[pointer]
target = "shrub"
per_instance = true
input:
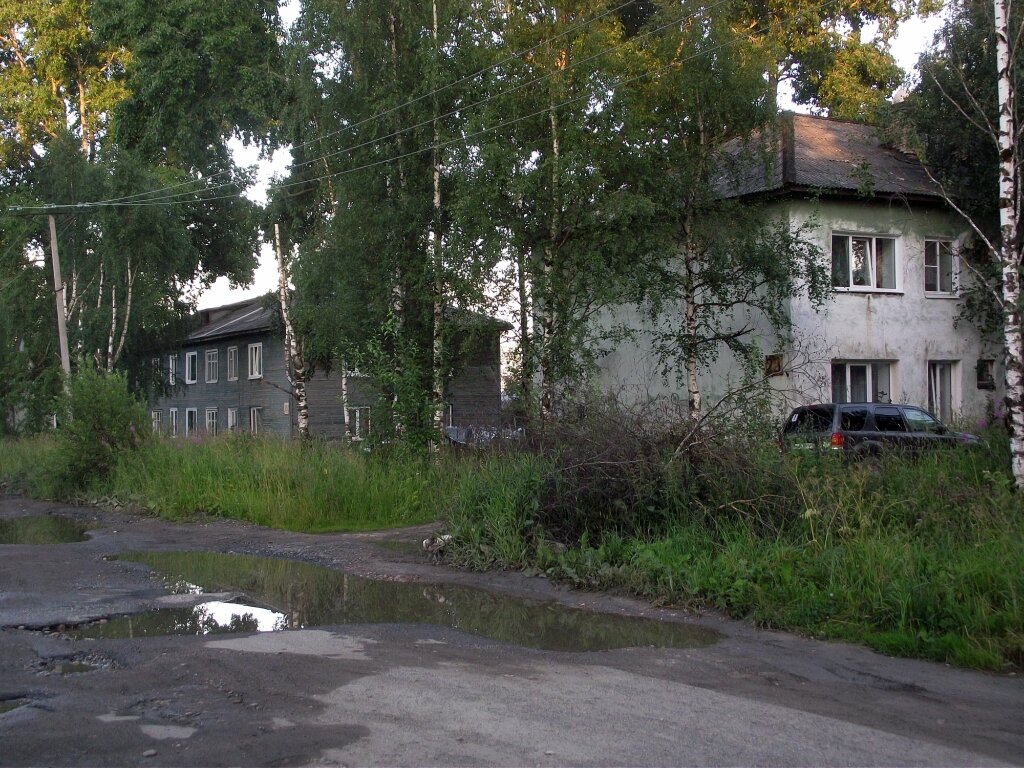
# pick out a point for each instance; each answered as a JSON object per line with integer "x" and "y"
{"x": 102, "y": 421}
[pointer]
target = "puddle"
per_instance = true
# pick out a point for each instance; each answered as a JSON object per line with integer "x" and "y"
{"x": 41, "y": 529}
{"x": 75, "y": 665}
{"x": 11, "y": 704}
{"x": 284, "y": 594}
{"x": 403, "y": 547}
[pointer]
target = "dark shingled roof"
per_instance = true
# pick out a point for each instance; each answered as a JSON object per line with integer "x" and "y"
{"x": 252, "y": 316}
{"x": 826, "y": 156}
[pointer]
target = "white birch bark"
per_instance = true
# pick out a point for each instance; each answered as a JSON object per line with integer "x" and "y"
{"x": 296, "y": 367}
{"x": 435, "y": 247}
{"x": 1009, "y": 247}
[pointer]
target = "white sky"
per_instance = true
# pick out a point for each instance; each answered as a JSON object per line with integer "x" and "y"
{"x": 913, "y": 37}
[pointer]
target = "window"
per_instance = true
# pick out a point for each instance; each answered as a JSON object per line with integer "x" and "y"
{"x": 359, "y": 423}
{"x": 172, "y": 369}
{"x": 919, "y": 421}
{"x": 940, "y": 389}
{"x": 191, "y": 420}
{"x": 232, "y": 419}
{"x": 939, "y": 267}
{"x": 191, "y": 367}
{"x": 861, "y": 382}
{"x": 773, "y": 365}
{"x": 172, "y": 416}
{"x": 889, "y": 419}
{"x": 852, "y": 419}
{"x": 157, "y": 419}
{"x": 232, "y": 363}
{"x": 986, "y": 374}
{"x": 255, "y": 420}
{"x": 211, "y": 421}
{"x": 255, "y": 361}
{"x": 864, "y": 263}
{"x": 212, "y": 366}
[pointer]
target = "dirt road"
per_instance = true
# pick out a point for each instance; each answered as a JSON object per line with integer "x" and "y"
{"x": 422, "y": 694}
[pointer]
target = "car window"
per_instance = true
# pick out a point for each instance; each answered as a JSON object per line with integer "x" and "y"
{"x": 853, "y": 419}
{"x": 889, "y": 419}
{"x": 818, "y": 419}
{"x": 922, "y": 421}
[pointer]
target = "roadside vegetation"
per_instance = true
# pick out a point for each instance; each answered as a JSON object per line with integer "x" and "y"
{"x": 912, "y": 555}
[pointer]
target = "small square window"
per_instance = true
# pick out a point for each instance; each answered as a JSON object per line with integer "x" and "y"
{"x": 773, "y": 365}
{"x": 191, "y": 367}
{"x": 986, "y": 374}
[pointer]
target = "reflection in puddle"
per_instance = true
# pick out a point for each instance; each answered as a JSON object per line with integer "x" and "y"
{"x": 296, "y": 595}
{"x": 10, "y": 704}
{"x": 41, "y": 529}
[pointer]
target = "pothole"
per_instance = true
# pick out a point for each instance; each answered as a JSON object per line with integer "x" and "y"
{"x": 285, "y": 594}
{"x": 41, "y": 529}
{"x": 71, "y": 665}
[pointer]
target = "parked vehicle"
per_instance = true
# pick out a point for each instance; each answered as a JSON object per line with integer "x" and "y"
{"x": 865, "y": 429}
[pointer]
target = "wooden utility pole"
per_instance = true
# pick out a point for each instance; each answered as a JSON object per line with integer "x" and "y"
{"x": 58, "y": 295}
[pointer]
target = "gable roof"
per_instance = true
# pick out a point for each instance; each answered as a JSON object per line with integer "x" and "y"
{"x": 251, "y": 316}
{"x": 822, "y": 155}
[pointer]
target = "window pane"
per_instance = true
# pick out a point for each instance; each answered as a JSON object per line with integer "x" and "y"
{"x": 839, "y": 383}
{"x": 885, "y": 266}
{"x": 919, "y": 421}
{"x": 861, "y": 257}
{"x": 840, "y": 261}
{"x": 853, "y": 418}
{"x": 889, "y": 420}
{"x": 858, "y": 383}
{"x": 881, "y": 391}
{"x": 945, "y": 267}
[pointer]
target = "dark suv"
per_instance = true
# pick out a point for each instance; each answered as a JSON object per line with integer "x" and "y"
{"x": 861, "y": 429}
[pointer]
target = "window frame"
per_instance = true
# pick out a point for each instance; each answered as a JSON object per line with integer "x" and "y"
{"x": 191, "y": 367}
{"x": 172, "y": 422}
{"x": 156, "y": 421}
{"x": 255, "y": 419}
{"x": 172, "y": 369}
{"x": 872, "y": 262}
{"x": 256, "y": 356}
{"x": 232, "y": 363}
{"x": 212, "y": 360}
{"x": 211, "y": 412}
{"x": 943, "y": 378}
{"x": 355, "y": 432}
{"x": 232, "y": 419}
{"x": 193, "y": 415}
{"x": 870, "y": 382}
{"x": 954, "y": 269}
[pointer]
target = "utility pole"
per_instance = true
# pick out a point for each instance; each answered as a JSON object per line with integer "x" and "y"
{"x": 58, "y": 295}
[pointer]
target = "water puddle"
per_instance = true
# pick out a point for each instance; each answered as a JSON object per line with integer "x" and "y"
{"x": 9, "y": 705}
{"x": 41, "y": 529}
{"x": 284, "y": 594}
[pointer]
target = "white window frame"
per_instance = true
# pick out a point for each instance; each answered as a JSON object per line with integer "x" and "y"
{"x": 172, "y": 418}
{"x": 212, "y": 366}
{"x": 191, "y": 367}
{"x": 156, "y": 417}
{"x": 232, "y": 419}
{"x": 232, "y": 363}
{"x": 355, "y": 433}
{"x": 872, "y": 263}
{"x": 256, "y": 360}
{"x": 943, "y": 392}
{"x": 255, "y": 419}
{"x": 954, "y": 268}
{"x": 172, "y": 369}
{"x": 211, "y": 421}
{"x": 872, "y": 377}
{"x": 191, "y": 414}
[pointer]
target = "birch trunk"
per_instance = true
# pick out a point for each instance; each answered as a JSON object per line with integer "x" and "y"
{"x": 296, "y": 367}
{"x": 547, "y": 321}
{"x": 694, "y": 401}
{"x": 436, "y": 254}
{"x": 1009, "y": 247}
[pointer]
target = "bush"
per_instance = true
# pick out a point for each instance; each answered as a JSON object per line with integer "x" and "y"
{"x": 102, "y": 421}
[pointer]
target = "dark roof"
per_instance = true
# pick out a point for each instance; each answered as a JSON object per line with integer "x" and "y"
{"x": 819, "y": 154}
{"x": 252, "y": 316}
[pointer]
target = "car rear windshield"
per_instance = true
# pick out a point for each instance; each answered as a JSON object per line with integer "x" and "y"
{"x": 814, "y": 419}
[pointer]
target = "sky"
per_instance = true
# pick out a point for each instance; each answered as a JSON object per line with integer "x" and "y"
{"x": 913, "y": 37}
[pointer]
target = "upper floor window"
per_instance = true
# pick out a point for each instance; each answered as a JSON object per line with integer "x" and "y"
{"x": 986, "y": 374}
{"x": 212, "y": 366}
{"x": 172, "y": 369}
{"x": 191, "y": 367}
{"x": 939, "y": 267}
{"x": 864, "y": 262}
{"x": 232, "y": 363}
{"x": 255, "y": 361}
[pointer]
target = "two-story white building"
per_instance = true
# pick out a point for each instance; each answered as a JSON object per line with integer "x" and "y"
{"x": 893, "y": 328}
